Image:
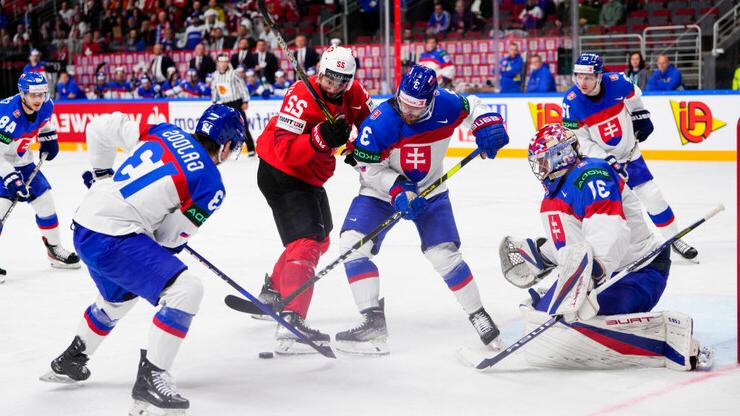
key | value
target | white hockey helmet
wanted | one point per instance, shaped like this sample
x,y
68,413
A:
x,y
338,64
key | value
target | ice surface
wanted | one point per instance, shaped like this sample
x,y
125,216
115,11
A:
x,y
218,368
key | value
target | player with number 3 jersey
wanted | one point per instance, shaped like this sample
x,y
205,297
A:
x,y
129,226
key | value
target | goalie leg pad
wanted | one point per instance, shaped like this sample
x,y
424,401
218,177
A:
x,y
570,295
651,339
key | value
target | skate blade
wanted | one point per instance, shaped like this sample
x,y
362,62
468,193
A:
x,y
141,408
52,377
60,265
368,348
264,317
295,347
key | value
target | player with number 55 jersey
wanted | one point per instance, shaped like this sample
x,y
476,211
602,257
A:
x,y
128,227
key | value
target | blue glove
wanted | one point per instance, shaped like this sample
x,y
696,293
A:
x,y
642,125
405,200
89,177
490,134
49,144
621,168
15,186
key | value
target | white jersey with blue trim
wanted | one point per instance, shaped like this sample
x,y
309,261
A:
x,y
603,124
165,188
18,131
594,206
387,147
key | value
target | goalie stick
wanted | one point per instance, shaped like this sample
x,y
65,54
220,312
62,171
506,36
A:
x,y
244,305
28,183
491,361
326,351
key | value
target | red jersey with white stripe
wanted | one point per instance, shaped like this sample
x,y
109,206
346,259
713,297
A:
x,y
165,188
285,143
594,206
603,124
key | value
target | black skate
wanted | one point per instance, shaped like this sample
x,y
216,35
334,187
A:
x,y
370,337
684,250
269,297
69,367
154,387
289,344
61,258
2,275
483,324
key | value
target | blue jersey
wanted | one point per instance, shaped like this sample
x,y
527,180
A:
x,y
120,89
387,147
603,124
71,87
199,89
18,131
166,188
439,61
39,67
154,91
511,74
102,90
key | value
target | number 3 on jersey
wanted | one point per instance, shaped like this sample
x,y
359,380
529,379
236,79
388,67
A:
x,y
149,153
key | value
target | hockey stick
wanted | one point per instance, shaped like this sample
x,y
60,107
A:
x,y
28,183
300,73
489,362
324,350
243,305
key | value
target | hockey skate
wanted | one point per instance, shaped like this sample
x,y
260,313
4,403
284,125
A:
x,y
61,258
2,275
288,343
154,387
487,330
69,367
685,250
370,337
269,297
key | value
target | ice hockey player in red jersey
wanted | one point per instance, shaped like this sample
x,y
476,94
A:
x,y
297,156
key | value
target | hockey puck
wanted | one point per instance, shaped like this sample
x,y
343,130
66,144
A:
x,y
266,355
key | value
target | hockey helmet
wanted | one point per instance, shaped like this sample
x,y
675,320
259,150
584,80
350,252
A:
x,y
33,82
590,66
223,124
338,66
415,94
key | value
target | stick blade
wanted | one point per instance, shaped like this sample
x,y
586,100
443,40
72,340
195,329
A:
x,y
242,305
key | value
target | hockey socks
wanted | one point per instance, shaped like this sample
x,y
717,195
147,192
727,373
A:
x,y
364,281
98,321
169,328
49,227
659,211
301,258
460,282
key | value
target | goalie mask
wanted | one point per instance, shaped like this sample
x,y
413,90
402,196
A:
x,y
552,151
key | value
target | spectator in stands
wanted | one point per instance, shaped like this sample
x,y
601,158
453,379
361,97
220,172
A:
x,y
239,57
588,13
120,87
263,62
252,83
6,46
437,58
65,12
193,87
304,54
212,21
462,18
35,64
147,89
67,88
101,88
169,43
540,77
193,33
171,87
612,13
439,21
220,14
666,77
89,45
133,42
160,63
531,15
163,24
74,43
21,38
218,42
202,62
636,71
281,84
511,67
245,32
408,51
268,37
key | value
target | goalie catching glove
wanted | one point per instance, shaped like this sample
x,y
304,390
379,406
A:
x,y
522,263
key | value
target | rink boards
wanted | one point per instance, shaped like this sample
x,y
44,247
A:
x,y
688,125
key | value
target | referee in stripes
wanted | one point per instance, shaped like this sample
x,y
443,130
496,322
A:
x,y
228,89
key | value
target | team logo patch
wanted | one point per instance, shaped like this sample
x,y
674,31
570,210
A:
x,y
571,95
556,230
290,123
610,131
375,114
196,215
5,139
16,113
614,77
590,174
570,124
694,121
416,161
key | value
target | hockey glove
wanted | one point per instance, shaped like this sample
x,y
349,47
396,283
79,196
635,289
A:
x,y
89,177
621,168
406,201
16,187
326,136
490,134
49,144
642,125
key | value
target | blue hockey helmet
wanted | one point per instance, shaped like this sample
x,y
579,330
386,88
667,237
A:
x,y
415,95
33,82
223,124
589,63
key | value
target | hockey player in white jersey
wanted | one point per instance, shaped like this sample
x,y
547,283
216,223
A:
x,y
606,112
129,226
594,226
400,149
24,118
